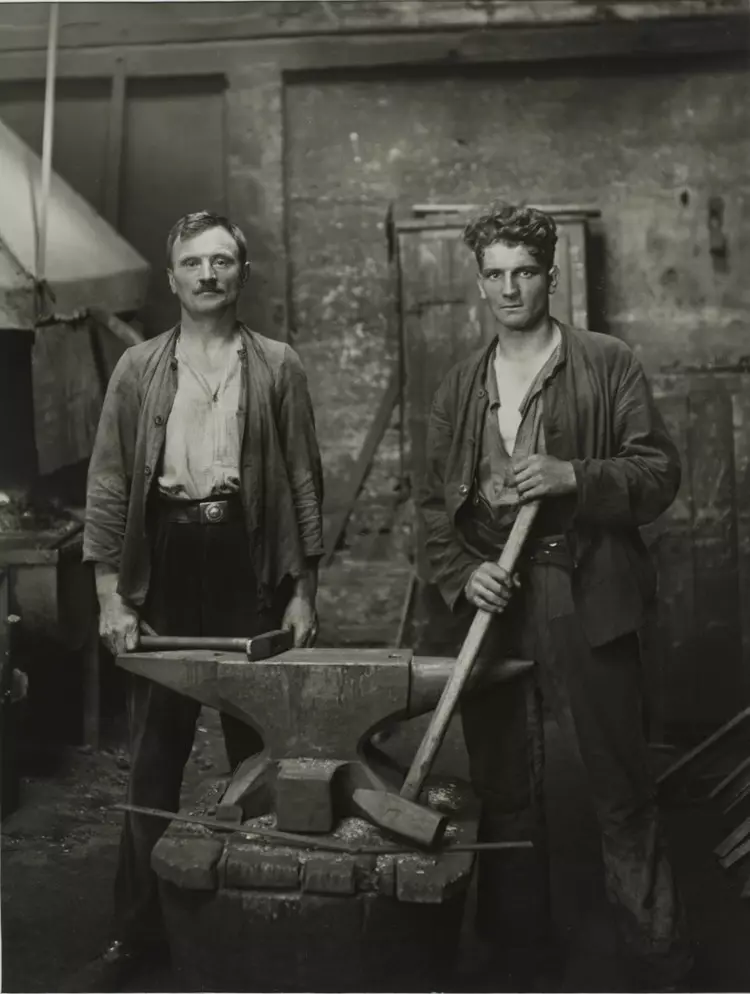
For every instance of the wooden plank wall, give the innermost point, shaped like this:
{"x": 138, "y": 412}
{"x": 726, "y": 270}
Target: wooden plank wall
{"x": 699, "y": 674}
{"x": 741, "y": 426}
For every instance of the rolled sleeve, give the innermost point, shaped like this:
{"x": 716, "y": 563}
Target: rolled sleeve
{"x": 108, "y": 483}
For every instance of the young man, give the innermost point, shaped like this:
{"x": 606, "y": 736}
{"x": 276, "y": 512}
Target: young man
{"x": 565, "y": 416}
{"x": 203, "y": 517}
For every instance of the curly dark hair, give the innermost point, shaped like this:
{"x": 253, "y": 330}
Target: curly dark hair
{"x": 526, "y": 226}
{"x": 195, "y": 224}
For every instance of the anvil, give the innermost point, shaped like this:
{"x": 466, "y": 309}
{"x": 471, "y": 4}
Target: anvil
{"x": 316, "y": 711}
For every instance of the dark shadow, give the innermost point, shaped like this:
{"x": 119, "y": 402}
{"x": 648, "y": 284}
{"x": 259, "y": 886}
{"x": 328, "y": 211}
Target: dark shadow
{"x": 596, "y": 274}
{"x": 18, "y": 461}
{"x": 578, "y": 67}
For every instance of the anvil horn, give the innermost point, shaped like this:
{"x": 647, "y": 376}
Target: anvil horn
{"x": 429, "y": 675}
{"x": 193, "y": 674}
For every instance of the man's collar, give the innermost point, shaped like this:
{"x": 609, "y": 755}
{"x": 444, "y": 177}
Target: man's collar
{"x": 490, "y": 377}
{"x": 493, "y": 395}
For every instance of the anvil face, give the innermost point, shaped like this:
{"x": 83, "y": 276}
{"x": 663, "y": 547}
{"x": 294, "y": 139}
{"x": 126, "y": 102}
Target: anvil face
{"x": 312, "y": 703}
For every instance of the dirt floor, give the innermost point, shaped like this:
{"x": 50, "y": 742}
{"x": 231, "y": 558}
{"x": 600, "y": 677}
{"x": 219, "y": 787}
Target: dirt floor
{"x": 59, "y": 853}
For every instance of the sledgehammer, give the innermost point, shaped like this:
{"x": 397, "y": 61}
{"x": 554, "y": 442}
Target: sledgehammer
{"x": 443, "y": 713}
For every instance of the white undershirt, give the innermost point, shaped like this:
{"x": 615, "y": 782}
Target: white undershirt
{"x": 513, "y": 382}
{"x": 202, "y": 444}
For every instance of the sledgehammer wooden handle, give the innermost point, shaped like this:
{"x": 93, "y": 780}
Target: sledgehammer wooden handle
{"x": 443, "y": 713}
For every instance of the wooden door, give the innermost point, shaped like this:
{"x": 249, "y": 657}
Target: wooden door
{"x": 699, "y": 644}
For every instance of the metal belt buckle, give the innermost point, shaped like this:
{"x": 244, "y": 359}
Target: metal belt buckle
{"x": 213, "y": 512}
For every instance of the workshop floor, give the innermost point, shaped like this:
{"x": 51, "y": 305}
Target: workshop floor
{"x": 59, "y": 851}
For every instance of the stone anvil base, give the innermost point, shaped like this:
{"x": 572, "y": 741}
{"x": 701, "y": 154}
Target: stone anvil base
{"x": 247, "y": 916}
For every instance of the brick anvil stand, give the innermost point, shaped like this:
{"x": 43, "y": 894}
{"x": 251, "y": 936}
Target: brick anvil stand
{"x": 244, "y": 915}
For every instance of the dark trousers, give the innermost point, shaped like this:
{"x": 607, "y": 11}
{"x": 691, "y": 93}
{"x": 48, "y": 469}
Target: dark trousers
{"x": 202, "y": 584}
{"x": 600, "y": 690}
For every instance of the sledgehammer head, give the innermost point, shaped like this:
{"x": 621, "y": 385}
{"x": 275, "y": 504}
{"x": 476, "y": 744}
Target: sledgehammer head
{"x": 394, "y": 813}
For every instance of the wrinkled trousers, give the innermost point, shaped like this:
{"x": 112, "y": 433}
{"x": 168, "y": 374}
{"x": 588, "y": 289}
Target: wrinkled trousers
{"x": 601, "y": 690}
{"x": 202, "y": 584}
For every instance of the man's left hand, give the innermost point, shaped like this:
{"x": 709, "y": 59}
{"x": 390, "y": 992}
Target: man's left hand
{"x": 543, "y": 476}
{"x": 301, "y": 617}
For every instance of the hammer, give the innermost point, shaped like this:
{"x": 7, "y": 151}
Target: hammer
{"x": 258, "y": 647}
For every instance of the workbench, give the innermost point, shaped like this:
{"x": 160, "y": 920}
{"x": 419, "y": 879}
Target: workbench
{"x": 54, "y": 594}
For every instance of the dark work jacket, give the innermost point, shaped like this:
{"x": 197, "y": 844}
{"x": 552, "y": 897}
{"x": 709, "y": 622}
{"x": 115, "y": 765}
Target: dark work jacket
{"x": 281, "y": 482}
{"x": 600, "y": 415}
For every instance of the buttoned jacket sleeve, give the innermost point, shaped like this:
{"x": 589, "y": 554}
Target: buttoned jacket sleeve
{"x": 642, "y": 476}
{"x": 451, "y": 563}
{"x": 110, "y": 469}
{"x": 296, "y": 423}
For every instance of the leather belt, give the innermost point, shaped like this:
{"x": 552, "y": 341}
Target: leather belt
{"x": 549, "y": 550}
{"x": 204, "y": 512}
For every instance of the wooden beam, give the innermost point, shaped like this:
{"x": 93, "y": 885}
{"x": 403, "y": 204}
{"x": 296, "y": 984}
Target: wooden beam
{"x": 733, "y": 840}
{"x": 437, "y": 217}
{"x": 91, "y": 665}
{"x": 740, "y": 768}
{"x": 372, "y": 441}
{"x": 514, "y": 45}
{"x": 406, "y": 610}
{"x": 429, "y": 210}
{"x": 702, "y": 752}
{"x": 150, "y": 23}
{"x": 96, "y": 25}
{"x": 119, "y": 328}
{"x": 666, "y": 38}
{"x": 48, "y": 134}
{"x": 115, "y": 135}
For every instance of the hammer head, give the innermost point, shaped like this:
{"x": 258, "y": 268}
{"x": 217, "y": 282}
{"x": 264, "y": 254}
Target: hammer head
{"x": 270, "y": 644}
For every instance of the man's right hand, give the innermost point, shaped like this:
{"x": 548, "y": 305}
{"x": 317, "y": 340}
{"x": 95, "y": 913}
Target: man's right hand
{"x": 490, "y": 587}
{"x": 118, "y": 625}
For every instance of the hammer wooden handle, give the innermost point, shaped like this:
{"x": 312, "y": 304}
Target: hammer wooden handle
{"x": 259, "y": 647}
{"x": 443, "y": 713}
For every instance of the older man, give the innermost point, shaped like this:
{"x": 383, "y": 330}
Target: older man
{"x": 565, "y": 416}
{"x": 203, "y": 517}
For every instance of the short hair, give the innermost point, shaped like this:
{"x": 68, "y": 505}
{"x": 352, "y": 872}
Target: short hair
{"x": 195, "y": 224}
{"x": 525, "y": 226}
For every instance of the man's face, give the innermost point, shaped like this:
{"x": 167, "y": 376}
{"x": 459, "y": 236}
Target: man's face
{"x": 206, "y": 273}
{"x": 515, "y": 285}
